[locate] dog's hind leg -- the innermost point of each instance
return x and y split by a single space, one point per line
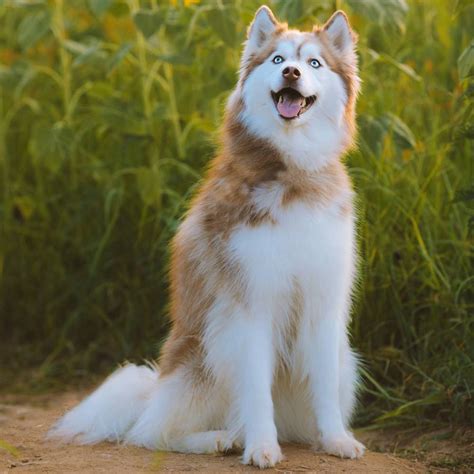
205 442
179 406
151 428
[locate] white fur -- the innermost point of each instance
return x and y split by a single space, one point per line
267 384
314 249
111 410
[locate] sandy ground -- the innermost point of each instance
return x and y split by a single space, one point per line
24 422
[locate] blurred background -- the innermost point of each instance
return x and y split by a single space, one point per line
109 111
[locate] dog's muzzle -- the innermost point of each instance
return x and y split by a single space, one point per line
290 104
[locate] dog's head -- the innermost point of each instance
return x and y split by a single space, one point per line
300 85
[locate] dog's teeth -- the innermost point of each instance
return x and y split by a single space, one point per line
280 99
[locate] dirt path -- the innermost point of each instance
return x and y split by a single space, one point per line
24 422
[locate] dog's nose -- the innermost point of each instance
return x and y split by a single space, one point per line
291 74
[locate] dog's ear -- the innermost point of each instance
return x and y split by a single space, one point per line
260 30
340 32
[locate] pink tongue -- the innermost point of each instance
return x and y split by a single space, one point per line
289 108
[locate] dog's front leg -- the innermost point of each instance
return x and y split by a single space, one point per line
254 398
323 344
247 349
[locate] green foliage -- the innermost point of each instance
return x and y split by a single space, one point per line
466 61
108 117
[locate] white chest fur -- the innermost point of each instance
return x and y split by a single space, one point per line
313 246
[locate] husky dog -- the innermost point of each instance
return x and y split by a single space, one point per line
261 272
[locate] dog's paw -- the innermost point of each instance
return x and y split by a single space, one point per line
343 445
225 443
263 455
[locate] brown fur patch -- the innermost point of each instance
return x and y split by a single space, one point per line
245 163
189 303
319 187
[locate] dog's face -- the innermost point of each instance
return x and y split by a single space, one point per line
295 83
292 76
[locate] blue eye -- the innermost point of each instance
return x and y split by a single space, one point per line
315 63
277 59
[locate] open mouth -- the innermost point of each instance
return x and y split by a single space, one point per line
290 104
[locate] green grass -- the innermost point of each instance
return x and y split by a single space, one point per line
108 117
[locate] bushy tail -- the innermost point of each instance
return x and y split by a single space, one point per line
110 411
